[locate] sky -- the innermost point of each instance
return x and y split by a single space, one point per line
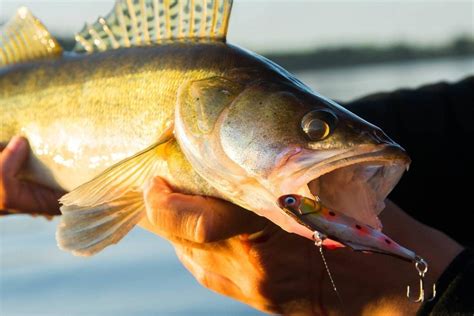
284 25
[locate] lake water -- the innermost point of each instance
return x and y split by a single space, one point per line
141 275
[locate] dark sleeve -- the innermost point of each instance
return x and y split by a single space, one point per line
435 124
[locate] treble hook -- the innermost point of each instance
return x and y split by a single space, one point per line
422 267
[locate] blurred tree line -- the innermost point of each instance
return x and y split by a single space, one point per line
344 56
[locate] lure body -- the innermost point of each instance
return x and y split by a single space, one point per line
342 228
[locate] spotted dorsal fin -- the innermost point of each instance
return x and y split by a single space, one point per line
151 22
24 38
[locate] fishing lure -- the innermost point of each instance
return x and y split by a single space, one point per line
347 231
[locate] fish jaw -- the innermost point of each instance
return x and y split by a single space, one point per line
261 195
353 182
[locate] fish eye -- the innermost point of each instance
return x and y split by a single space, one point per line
318 124
289 200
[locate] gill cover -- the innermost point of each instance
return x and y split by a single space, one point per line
205 122
200 108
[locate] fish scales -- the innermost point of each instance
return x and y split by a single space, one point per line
171 98
103 108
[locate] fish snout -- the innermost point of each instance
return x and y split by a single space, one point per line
380 137
390 147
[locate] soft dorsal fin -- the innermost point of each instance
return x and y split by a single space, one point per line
25 38
149 22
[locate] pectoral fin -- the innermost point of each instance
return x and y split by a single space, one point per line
87 230
102 211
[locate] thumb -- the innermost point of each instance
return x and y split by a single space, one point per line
197 218
13 157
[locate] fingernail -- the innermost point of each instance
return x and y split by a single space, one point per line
15 143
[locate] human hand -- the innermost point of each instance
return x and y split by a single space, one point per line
20 196
231 250
239 254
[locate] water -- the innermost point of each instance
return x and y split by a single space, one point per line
138 276
141 275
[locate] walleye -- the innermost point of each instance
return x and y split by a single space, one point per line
154 89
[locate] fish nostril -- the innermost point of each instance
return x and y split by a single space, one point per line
380 136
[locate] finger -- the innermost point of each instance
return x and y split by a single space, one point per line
34 198
30 198
197 218
209 279
13 157
237 289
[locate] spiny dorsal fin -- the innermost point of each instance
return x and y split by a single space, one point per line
148 22
25 38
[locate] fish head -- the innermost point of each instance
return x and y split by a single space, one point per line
270 138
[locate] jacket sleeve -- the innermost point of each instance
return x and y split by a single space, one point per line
455 288
435 124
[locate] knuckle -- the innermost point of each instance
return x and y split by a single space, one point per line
201 231
187 215
167 201
201 277
186 255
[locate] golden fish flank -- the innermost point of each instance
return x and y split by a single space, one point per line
155 90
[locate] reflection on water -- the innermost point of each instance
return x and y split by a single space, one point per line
138 276
141 275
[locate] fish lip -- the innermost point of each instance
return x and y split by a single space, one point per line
386 153
390 154
387 160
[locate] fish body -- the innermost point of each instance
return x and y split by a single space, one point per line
173 99
344 229
100 109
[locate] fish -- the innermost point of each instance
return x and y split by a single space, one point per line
154 89
342 228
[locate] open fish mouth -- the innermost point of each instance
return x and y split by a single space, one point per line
355 183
